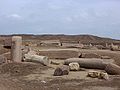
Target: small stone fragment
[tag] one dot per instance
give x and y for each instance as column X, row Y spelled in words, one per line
column 74, row 66
column 103, row 75
column 93, row 74
column 61, row 70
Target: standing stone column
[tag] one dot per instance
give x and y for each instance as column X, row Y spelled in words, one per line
column 16, row 52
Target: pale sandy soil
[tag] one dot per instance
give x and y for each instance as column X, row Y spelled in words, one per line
column 37, row 77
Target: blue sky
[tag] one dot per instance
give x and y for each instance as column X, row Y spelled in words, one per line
column 96, row 17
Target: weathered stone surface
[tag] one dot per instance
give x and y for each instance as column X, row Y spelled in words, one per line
column 90, row 55
column 90, row 63
column 25, row 49
column 113, row 69
column 98, row 74
column 36, row 58
column 103, row 75
column 74, row 66
column 16, row 49
column 61, row 70
column 93, row 74
column 114, row 48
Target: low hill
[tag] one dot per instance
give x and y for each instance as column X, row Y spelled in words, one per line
column 68, row 38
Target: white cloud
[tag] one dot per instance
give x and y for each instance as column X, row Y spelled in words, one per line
column 16, row 16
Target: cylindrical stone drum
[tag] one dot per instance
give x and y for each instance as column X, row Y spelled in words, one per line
column 113, row 69
column 16, row 52
column 90, row 63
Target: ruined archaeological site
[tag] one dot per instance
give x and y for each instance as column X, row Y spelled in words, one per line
column 59, row 62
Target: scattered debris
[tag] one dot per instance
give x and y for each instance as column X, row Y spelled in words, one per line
column 74, row 66
column 114, row 47
column 44, row 82
column 103, row 75
column 97, row 74
column 61, row 70
column 93, row 74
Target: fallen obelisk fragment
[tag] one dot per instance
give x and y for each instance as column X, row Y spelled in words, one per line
column 113, row 69
column 36, row 58
column 90, row 63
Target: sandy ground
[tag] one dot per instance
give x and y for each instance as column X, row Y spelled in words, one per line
column 34, row 76
column 29, row 76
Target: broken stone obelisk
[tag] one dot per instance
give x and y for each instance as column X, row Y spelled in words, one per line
column 16, row 52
